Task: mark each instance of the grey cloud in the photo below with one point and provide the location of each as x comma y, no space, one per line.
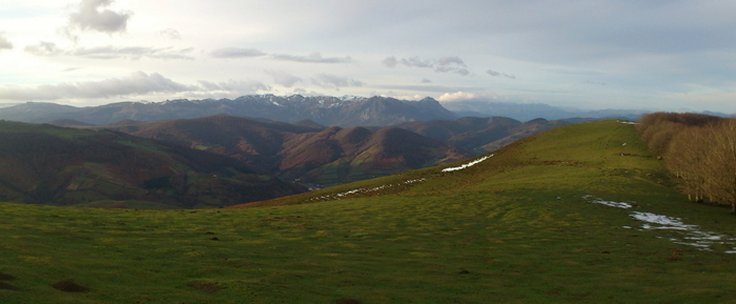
136,83
598,83
426,80
89,16
5,43
171,34
499,74
390,62
284,79
44,48
335,82
450,64
111,52
236,53
312,58
417,62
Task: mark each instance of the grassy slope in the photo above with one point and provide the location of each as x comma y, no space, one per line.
496,232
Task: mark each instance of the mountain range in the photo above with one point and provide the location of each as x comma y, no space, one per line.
330,111
308,153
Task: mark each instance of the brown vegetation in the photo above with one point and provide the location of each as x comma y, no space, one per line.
700,150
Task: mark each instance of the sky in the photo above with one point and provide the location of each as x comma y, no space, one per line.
655,55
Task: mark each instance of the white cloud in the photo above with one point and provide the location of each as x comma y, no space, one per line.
231,87
5,43
171,33
335,82
134,84
312,58
457,96
284,79
90,17
44,48
236,53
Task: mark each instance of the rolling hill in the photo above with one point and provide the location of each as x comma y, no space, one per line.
581,213
52,165
308,153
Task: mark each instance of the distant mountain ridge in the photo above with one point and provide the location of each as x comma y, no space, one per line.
308,153
61,166
530,111
324,110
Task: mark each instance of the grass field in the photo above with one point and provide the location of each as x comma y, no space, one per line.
520,227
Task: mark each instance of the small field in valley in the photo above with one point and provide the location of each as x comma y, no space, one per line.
582,213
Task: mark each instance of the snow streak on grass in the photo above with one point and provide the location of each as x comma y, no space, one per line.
352,192
684,234
467,165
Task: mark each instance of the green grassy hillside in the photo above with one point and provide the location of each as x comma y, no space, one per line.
538,222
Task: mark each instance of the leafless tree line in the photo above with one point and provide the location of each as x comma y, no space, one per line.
700,150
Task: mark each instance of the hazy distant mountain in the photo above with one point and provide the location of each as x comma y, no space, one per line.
526,112
480,134
332,111
52,165
307,152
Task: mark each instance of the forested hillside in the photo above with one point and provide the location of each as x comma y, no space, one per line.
700,150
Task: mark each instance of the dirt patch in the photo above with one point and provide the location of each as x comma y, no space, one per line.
205,286
7,286
69,286
6,277
347,301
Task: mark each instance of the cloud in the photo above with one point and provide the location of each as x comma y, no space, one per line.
426,80
5,43
236,53
232,87
111,52
450,64
335,82
171,33
44,48
135,52
499,74
390,62
312,58
90,17
457,96
136,83
284,79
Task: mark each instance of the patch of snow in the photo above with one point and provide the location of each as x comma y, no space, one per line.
621,205
680,232
662,221
629,122
365,190
595,200
693,234
467,165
